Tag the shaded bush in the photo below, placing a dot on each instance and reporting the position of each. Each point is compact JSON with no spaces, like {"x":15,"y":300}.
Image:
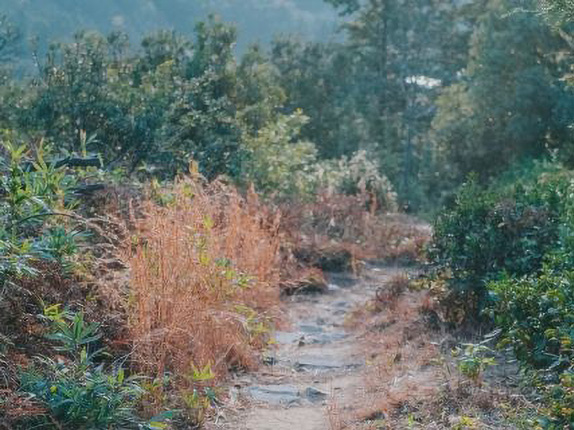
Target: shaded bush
{"x":508,"y":251}
{"x":39,"y":233}
{"x":536,"y":317}
{"x":76,"y":391}
{"x":490,"y":232}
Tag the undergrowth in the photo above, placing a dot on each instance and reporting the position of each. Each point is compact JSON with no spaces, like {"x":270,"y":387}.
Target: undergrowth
{"x":503,"y":257}
{"x":179,"y":283}
{"x":204,"y":268}
{"x":335,"y":231}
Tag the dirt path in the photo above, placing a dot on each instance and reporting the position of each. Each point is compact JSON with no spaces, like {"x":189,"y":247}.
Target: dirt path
{"x":317,"y":366}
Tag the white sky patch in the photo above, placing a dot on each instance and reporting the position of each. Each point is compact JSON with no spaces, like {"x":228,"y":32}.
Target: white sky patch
{"x":118,"y":21}
{"x":424,"y":81}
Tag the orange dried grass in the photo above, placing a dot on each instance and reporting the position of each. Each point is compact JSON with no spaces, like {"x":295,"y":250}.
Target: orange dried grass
{"x":192,"y":304}
{"x":403,"y":354}
{"x":354,"y":224}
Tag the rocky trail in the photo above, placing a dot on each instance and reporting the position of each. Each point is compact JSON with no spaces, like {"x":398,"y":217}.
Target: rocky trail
{"x":318,"y":366}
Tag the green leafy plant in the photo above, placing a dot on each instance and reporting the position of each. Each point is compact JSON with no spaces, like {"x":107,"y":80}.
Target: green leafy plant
{"x":490,"y":232}
{"x":473,"y":360}
{"x":278,"y":162}
{"x":534,"y":314}
{"x":202,"y":396}
{"x":33,"y":193}
{"x":78,"y":393}
{"x":255,"y":324}
{"x":72,"y":332}
{"x":203,"y":374}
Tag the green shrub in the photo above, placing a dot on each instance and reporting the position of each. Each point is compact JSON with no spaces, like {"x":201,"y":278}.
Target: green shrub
{"x":278,"y":163}
{"x":490,"y":232}
{"x":536,"y":317}
{"x":509,"y":250}
{"x":559,"y":413}
{"x":33,"y":194}
{"x":72,"y":331}
{"x":355,"y":175}
{"x":78,"y":393}
{"x":473,"y":360}
{"x":282,"y":166}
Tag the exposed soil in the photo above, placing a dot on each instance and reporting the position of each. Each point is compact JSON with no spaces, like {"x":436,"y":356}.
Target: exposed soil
{"x":367,"y":355}
{"x":317,"y":366}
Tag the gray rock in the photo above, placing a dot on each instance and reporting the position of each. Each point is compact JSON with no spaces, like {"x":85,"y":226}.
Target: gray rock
{"x":342,"y":280}
{"x":315,"y":395}
{"x":342,"y":304}
{"x":308,"y":328}
{"x":275,"y":394}
{"x":325,"y":338}
{"x":285,"y":337}
{"x":323,"y":363}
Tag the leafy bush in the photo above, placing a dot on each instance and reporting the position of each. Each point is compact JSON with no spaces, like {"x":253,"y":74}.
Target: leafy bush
{"x":79,"y":395}
{"x":277,"y":163}
{"x":473,"y":360}
{"x":535,"y":314}
{"x":36,"y":231}
{"x":536,"y":317}
{"x":356,"y":175}
{"x":33,"y":192}
{"x":72,"y":331}
{"x":76,"y":392}
{"x":177,"y":98}
{"x":509,"y":251}
{"x":282,"y":166}
{"x":489,"y":232}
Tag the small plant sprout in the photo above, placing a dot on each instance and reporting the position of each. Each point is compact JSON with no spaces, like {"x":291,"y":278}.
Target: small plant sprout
{"x":466,"y":423}
{"x":202,"y":374}
{"x":473,"y":360}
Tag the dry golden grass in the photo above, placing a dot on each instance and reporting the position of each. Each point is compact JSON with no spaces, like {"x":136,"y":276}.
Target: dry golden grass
{"x":388,"y":295}
{"x":401,"y":351}
{"x":412,"y":381}
{"x":336,"y":225}
{"x":204,"y":272}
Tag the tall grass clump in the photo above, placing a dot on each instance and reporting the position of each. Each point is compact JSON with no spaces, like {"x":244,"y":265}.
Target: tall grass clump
{"x":204,"y":268}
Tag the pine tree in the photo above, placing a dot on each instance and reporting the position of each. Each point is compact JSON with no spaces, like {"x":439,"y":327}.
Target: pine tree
{"x":505,"y":106}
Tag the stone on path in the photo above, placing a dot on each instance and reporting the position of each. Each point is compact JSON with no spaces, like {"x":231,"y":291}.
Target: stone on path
{"x":275,"y":394}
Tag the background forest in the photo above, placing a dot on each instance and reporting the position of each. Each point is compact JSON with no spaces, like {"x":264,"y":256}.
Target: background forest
{"x":430,"y":90}
{"x":461,"y":111}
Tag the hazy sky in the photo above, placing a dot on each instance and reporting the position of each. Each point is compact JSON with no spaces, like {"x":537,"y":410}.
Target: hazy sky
{"x":257,"y":20}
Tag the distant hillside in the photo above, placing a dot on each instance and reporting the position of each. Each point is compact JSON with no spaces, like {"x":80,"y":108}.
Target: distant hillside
{"x":257,"y":20}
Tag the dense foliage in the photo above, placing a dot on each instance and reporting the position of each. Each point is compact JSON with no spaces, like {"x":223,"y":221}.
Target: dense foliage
{"x":432,"y":89}
{"x":488,"y":233}
{"x":396,"y":112}
{"x":508,"y":252}
{"x":505,"y":251}
{"x":80,"y":393}
{"x":34,"y":196}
